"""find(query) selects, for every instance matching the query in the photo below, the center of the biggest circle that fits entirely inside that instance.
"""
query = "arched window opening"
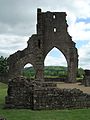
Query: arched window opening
(55, 64)
(55, 30)
(54, 16)
(28, 71)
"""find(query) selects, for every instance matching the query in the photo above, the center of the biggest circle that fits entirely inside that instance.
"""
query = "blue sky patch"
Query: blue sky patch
(85, 20)
(79, 44)
(55, 52)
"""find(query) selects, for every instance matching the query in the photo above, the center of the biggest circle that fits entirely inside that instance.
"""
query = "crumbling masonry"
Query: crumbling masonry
(25, 93)
(37, 94)
(51, 32)
(86, 79)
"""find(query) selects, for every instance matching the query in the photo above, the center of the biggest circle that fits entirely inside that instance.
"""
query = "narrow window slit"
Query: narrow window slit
(54, 16)
(39, 43)
(54, 29)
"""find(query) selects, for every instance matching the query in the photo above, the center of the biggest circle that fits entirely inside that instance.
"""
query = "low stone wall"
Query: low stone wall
(64, 79)
(1, 118)
(19, 93)
(53, 98)
(23, 93)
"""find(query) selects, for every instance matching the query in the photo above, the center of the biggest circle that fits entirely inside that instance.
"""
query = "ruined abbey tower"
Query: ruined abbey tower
(51, 32)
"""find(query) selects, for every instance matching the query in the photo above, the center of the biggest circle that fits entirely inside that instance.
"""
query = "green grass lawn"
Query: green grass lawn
(26, 114)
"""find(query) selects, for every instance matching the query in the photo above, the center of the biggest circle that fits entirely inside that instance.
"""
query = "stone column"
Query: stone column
(39, 73)
(72, 70)
(72, 65)
(39, 65)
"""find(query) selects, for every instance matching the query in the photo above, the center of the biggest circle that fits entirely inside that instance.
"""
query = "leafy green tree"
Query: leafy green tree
(3, 66)
(80, 73)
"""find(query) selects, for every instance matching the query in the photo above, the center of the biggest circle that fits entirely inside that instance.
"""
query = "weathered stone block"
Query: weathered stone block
(86, 79)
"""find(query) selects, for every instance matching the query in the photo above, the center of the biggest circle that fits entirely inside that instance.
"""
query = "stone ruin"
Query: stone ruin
(38, 94)
(51, 32)
(86, 79)
(1, 118)
(25, 93)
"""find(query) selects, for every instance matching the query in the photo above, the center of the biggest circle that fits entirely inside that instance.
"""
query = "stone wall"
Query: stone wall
(86, 80)
(19, 93)
(53, 98)
(24, 93)
(63, 79)
(1, 118)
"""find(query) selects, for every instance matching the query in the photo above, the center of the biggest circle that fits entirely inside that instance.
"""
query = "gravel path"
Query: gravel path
(75, 85)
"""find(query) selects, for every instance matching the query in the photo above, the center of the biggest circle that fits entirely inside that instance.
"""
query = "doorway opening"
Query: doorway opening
(55, 65)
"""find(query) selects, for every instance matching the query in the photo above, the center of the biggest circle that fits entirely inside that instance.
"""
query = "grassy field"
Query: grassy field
(26, 114)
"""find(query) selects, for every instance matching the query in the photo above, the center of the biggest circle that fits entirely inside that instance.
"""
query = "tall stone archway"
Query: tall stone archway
(51, 32)
(55, 58)
(71, 59)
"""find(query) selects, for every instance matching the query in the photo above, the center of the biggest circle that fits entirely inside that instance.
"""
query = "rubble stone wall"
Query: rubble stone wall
(1, 118)
(86, 80)
(63, 79)
(53, 98)
(23, 93)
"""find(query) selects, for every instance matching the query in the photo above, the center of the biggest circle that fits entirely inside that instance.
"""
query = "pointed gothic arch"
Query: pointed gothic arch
(55, 58)
(59, 54)
(28, 71)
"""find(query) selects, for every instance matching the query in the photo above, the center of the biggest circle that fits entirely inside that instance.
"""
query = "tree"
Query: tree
(80, 73)
(3, 66)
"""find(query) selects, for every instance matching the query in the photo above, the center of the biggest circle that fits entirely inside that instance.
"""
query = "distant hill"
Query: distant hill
(49, 71)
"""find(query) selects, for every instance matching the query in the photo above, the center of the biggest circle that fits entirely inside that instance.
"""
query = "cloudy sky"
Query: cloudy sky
(18, 23)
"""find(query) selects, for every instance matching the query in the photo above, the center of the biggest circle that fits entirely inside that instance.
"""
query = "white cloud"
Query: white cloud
(80, 31)
(20, 17)
(10, 44)
(84, 56)
(82, 8)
